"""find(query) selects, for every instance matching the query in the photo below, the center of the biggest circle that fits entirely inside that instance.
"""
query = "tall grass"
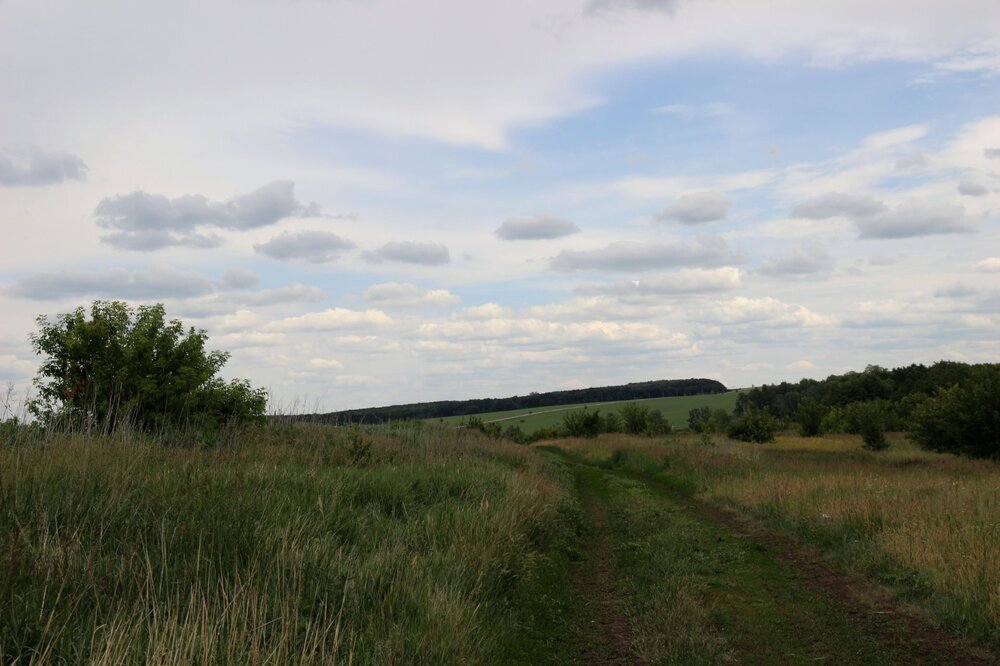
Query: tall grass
(926, 523)
(294, 544)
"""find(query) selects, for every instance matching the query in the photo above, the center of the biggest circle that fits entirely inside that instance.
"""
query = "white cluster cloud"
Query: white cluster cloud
(696, 208)
(144, 222)
(407, 295)
(32, 166)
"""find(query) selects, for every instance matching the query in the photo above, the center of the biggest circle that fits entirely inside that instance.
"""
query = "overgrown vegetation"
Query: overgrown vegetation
(922, 522)
(947, 406)
(303, 544)
(124, 367)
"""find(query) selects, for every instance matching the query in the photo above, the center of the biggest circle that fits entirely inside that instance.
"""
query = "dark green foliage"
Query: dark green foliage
(583, 422)
(432, 410)
(963, 419)
(635, 418)
(708, 420)
(513, 433)
(698, 418)
(874, 383)
(656, 425)
(810, 417)
(132, 366)
(755, 425)
(612, 422)
(490, 429)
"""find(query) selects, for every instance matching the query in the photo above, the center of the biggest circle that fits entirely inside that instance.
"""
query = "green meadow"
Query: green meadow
(674, 409)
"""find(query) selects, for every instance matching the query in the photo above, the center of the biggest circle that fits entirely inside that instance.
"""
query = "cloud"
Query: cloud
(991, 153)
(12, 368)
(971, 189)
(916, 218)
(603, 6)
(894, 138)
(113, 283)
(955, 291)
(239, 278)
(808, 261)
(539, 227)
(696, 111)
(767, 312)
(696, 208)
(706, 250)
(32, 166)
(836, 204)
(325, 363)
(292, 293)
(408, 252)
(406, 295)
(145, 222)
(331, 320)
(684, 281)
(316, 247)
(484, 311)
(988, 265)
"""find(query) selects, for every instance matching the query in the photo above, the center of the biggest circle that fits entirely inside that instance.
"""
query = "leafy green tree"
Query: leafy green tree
(635, 418)
(583, 422)
(963, 419)
(122, 365)
(754, 425)
(698, 418)
(612, 422)
(810, 417)
(657, 425)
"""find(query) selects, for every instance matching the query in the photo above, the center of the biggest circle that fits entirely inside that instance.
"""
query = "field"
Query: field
(429, 545)
(674, 409)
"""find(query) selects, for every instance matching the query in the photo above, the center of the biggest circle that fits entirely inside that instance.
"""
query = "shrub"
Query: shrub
(698, 419)
(755, 425)
(810, 417)
(634, 418)
(656, 425)
(870, 423)
(963, 419)
(132, 366)
(582, 422)
(612, 422)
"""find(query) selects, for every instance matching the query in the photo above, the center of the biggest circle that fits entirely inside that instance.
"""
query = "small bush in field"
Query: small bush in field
(870, 421)
(582, 422)
(634, 418)
(810, 417)
(656, 425)
(612, 422)
(755, 425)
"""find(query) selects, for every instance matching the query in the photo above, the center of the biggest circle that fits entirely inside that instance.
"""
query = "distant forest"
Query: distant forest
(432, 410)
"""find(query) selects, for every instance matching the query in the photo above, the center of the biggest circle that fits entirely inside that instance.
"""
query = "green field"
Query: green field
(674, 409)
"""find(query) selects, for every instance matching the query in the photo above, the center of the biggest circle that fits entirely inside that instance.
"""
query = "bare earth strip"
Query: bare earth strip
(786, 602)
(606, 636)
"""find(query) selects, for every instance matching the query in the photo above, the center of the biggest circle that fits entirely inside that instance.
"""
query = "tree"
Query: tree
(634, 418)
(963, 419)
(755, 425)
(132, 366)
(810, 417)
(583, 422)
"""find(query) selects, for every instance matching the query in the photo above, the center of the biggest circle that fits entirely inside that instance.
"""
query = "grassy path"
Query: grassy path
(666, 578)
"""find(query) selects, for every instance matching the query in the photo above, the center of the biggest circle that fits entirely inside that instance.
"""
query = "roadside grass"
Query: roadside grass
(299, 544)
(926, 524)
(674, 409)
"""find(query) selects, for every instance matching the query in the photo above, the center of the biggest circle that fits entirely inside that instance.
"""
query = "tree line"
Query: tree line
(444, 408)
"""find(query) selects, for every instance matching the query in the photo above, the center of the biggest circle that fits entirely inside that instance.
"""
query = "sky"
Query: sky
(369, 202)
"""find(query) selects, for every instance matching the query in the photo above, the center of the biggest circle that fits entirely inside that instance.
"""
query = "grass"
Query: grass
(297, 546)
(674, 409)
(924, 523)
